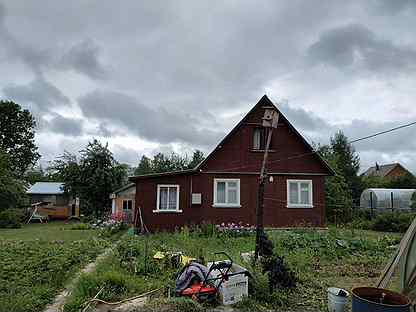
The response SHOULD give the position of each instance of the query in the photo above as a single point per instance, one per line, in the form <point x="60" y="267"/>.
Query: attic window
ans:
<point x="259" y="139"/>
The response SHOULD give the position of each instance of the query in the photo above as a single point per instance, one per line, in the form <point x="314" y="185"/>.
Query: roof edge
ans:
<point x="161" y="174"/>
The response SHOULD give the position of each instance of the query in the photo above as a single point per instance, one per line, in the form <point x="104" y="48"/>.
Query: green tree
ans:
<point x="347" y="163"/>
<point x="17" y="137"/>
<point x="197" y="158"/>
<point x="12" y="191"/>
<point x="92" y="178"/>
<point x="144" y="167"/>
<point x="338" y="195"/>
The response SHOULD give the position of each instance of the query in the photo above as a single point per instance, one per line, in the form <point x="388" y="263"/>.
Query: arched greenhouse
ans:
<point x="382" y="199"/>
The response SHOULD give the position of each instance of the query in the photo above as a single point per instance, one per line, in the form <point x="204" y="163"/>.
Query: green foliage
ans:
<point x="34" y="271"/>
<point x="12" y="191"/>
<point x="92" y="177"/>
<point x="17" y="137"/>
<point x="393" y="222"/>
<point x="166" y="163"/>
<point x="319" y="258"/>
<point x="80" y="226"/>
<point x="397" y="222"/>
<point x="179" y="304"/>
<point x="407" y="181"/>
<point x="11" y="219"/>
<point x="413" y="205"/>
<point x="144" y="167"/>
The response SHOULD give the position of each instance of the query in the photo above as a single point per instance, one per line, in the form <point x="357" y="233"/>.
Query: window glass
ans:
<point x="232" y="196"/>
<point x="163" y="198"/>
<point x="304" y="193"/>
<point x="257" y="139"/>
<point x="293" y="191"/>
<point x="172" y="198"/>
<point x="221" y="192"/>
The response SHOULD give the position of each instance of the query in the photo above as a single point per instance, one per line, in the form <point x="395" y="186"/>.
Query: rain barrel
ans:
<point x="371" y="299"/>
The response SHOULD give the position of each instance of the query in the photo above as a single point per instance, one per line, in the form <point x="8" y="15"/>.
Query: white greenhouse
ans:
<point x="382" y="199"/>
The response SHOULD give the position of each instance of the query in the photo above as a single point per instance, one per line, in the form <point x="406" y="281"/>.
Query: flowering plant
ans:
<point x="236" y="229"/>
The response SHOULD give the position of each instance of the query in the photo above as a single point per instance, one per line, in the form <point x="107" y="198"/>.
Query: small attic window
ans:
<point x="259" y="139"/>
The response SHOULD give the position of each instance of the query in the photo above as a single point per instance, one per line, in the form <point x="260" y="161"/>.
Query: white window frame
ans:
<point x="294" y="205"/>
<point x="226" y="205"/>
<point x="159" y="186"/>
<point x="127" y="200"/>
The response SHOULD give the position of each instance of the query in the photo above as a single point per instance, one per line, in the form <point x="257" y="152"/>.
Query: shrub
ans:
<point x="11" y="218"/>
<point x="393" y="222"/>
<point x="80" y="226"/>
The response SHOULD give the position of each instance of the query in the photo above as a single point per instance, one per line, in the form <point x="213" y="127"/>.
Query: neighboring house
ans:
<point x="123" y="200"/>
<point x="386" y="171"/>
<point x="49" y="199"/>
<point x="223" y="188"/>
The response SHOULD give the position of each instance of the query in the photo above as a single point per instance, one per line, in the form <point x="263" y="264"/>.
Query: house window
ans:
<point x="127" y="204"/>
<point x="226" y="193"/>
<point x="260" y="139"/>
<point x="299" y="194"/>
<point x="167" y="198"/>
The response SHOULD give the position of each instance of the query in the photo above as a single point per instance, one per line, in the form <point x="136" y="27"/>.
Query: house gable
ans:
<point x="290" y="153"/>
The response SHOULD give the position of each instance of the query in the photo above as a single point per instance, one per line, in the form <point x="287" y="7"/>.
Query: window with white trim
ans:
<point x="227" y="192"/>
<point x="167" y="197"/>
<point x="127" y="204"/>
<point x="299" y="194"/>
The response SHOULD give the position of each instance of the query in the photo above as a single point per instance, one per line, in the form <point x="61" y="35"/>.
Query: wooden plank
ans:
<point x="394" y="261"/>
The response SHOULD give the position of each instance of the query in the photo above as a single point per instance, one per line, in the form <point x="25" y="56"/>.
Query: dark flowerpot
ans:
<point x="371" y="299"/>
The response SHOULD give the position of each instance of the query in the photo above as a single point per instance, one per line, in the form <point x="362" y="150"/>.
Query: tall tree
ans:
<point x="12" y="191"/>
<point x="17" y="137"/>
<point x="91" y="178"/>
<point x="197" y="158"/>
<point x="338" y="195"/>
<point x="347" y="163"/>
<point x="144" y="167"/>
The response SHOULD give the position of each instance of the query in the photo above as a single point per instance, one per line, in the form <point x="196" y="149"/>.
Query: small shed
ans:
<point x="123" y="201"/>
<point x="382" y="199"/>
<point x="50" y="200"/>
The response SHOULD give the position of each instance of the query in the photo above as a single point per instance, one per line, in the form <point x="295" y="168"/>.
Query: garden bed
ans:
<point x="320" y="259"/>
<point x="38" y="259"/>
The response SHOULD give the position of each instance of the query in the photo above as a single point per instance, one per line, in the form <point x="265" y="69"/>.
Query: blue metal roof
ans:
<point x="46" y="188"/>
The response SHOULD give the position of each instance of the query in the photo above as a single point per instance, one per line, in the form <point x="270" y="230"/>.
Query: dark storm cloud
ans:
<point x="356" y="46"/>
<point x="63" y="125"/>
<point x="39" y="94"/>
<point x="155" y="124"/>
<point x="84" y="58"/>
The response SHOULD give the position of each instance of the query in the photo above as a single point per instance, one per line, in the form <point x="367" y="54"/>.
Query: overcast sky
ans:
<point x="149" y="76"/>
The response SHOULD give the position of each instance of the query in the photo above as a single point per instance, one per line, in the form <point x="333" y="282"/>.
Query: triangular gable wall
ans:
<point x="290" y="153"/>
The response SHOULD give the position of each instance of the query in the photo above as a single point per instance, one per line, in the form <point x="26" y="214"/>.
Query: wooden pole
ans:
<point x="260" y="195"/>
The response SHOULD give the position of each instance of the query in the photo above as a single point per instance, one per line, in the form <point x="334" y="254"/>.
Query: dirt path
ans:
<point x="58" y="304"/>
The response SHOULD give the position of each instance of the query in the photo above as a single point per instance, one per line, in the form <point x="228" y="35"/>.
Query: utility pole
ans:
<point x="270" y="120"/>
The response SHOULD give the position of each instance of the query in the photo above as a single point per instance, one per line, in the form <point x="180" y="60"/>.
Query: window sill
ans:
<point x="167" y="211"/>
<point x="226" y="206"/>
<point x="299" y="206"/>
<point x="262" y="150"/>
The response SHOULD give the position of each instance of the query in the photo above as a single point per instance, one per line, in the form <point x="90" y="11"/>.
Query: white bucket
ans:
<point x="336" y="303"/>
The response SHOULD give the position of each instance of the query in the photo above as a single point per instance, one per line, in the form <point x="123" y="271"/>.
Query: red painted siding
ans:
<point x="276" y="213"/>
<point x="235" y="159"/>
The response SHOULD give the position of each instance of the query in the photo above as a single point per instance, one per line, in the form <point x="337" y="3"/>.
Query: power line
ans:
<point x="383" y="132"/>
<point x="314" y="152"/>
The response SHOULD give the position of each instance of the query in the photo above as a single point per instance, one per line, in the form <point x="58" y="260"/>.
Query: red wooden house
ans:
<point x="223" y="188"/>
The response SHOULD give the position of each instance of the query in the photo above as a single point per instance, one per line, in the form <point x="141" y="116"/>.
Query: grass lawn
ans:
<point x="37" y="260"/>
<point x="315" y="256"/>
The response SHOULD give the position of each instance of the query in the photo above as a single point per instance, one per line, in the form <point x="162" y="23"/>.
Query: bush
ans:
<point x="80" y="226"/>
<point x="393" y="222"/>
<point x="11" y="218"/>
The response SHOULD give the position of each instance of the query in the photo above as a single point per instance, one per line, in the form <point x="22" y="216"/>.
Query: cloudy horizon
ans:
<point x="177" y="76"/>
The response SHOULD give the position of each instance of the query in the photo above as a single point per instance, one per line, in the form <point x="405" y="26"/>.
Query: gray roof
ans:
<point x="53" y="188"/>
<point x="382" y="171"/>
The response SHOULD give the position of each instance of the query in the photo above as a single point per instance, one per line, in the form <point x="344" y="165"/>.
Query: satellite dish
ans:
<point x="407" y="274"/>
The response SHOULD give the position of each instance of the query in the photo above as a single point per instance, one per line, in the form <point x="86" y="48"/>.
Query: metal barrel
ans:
<point x="371" y="299"/>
